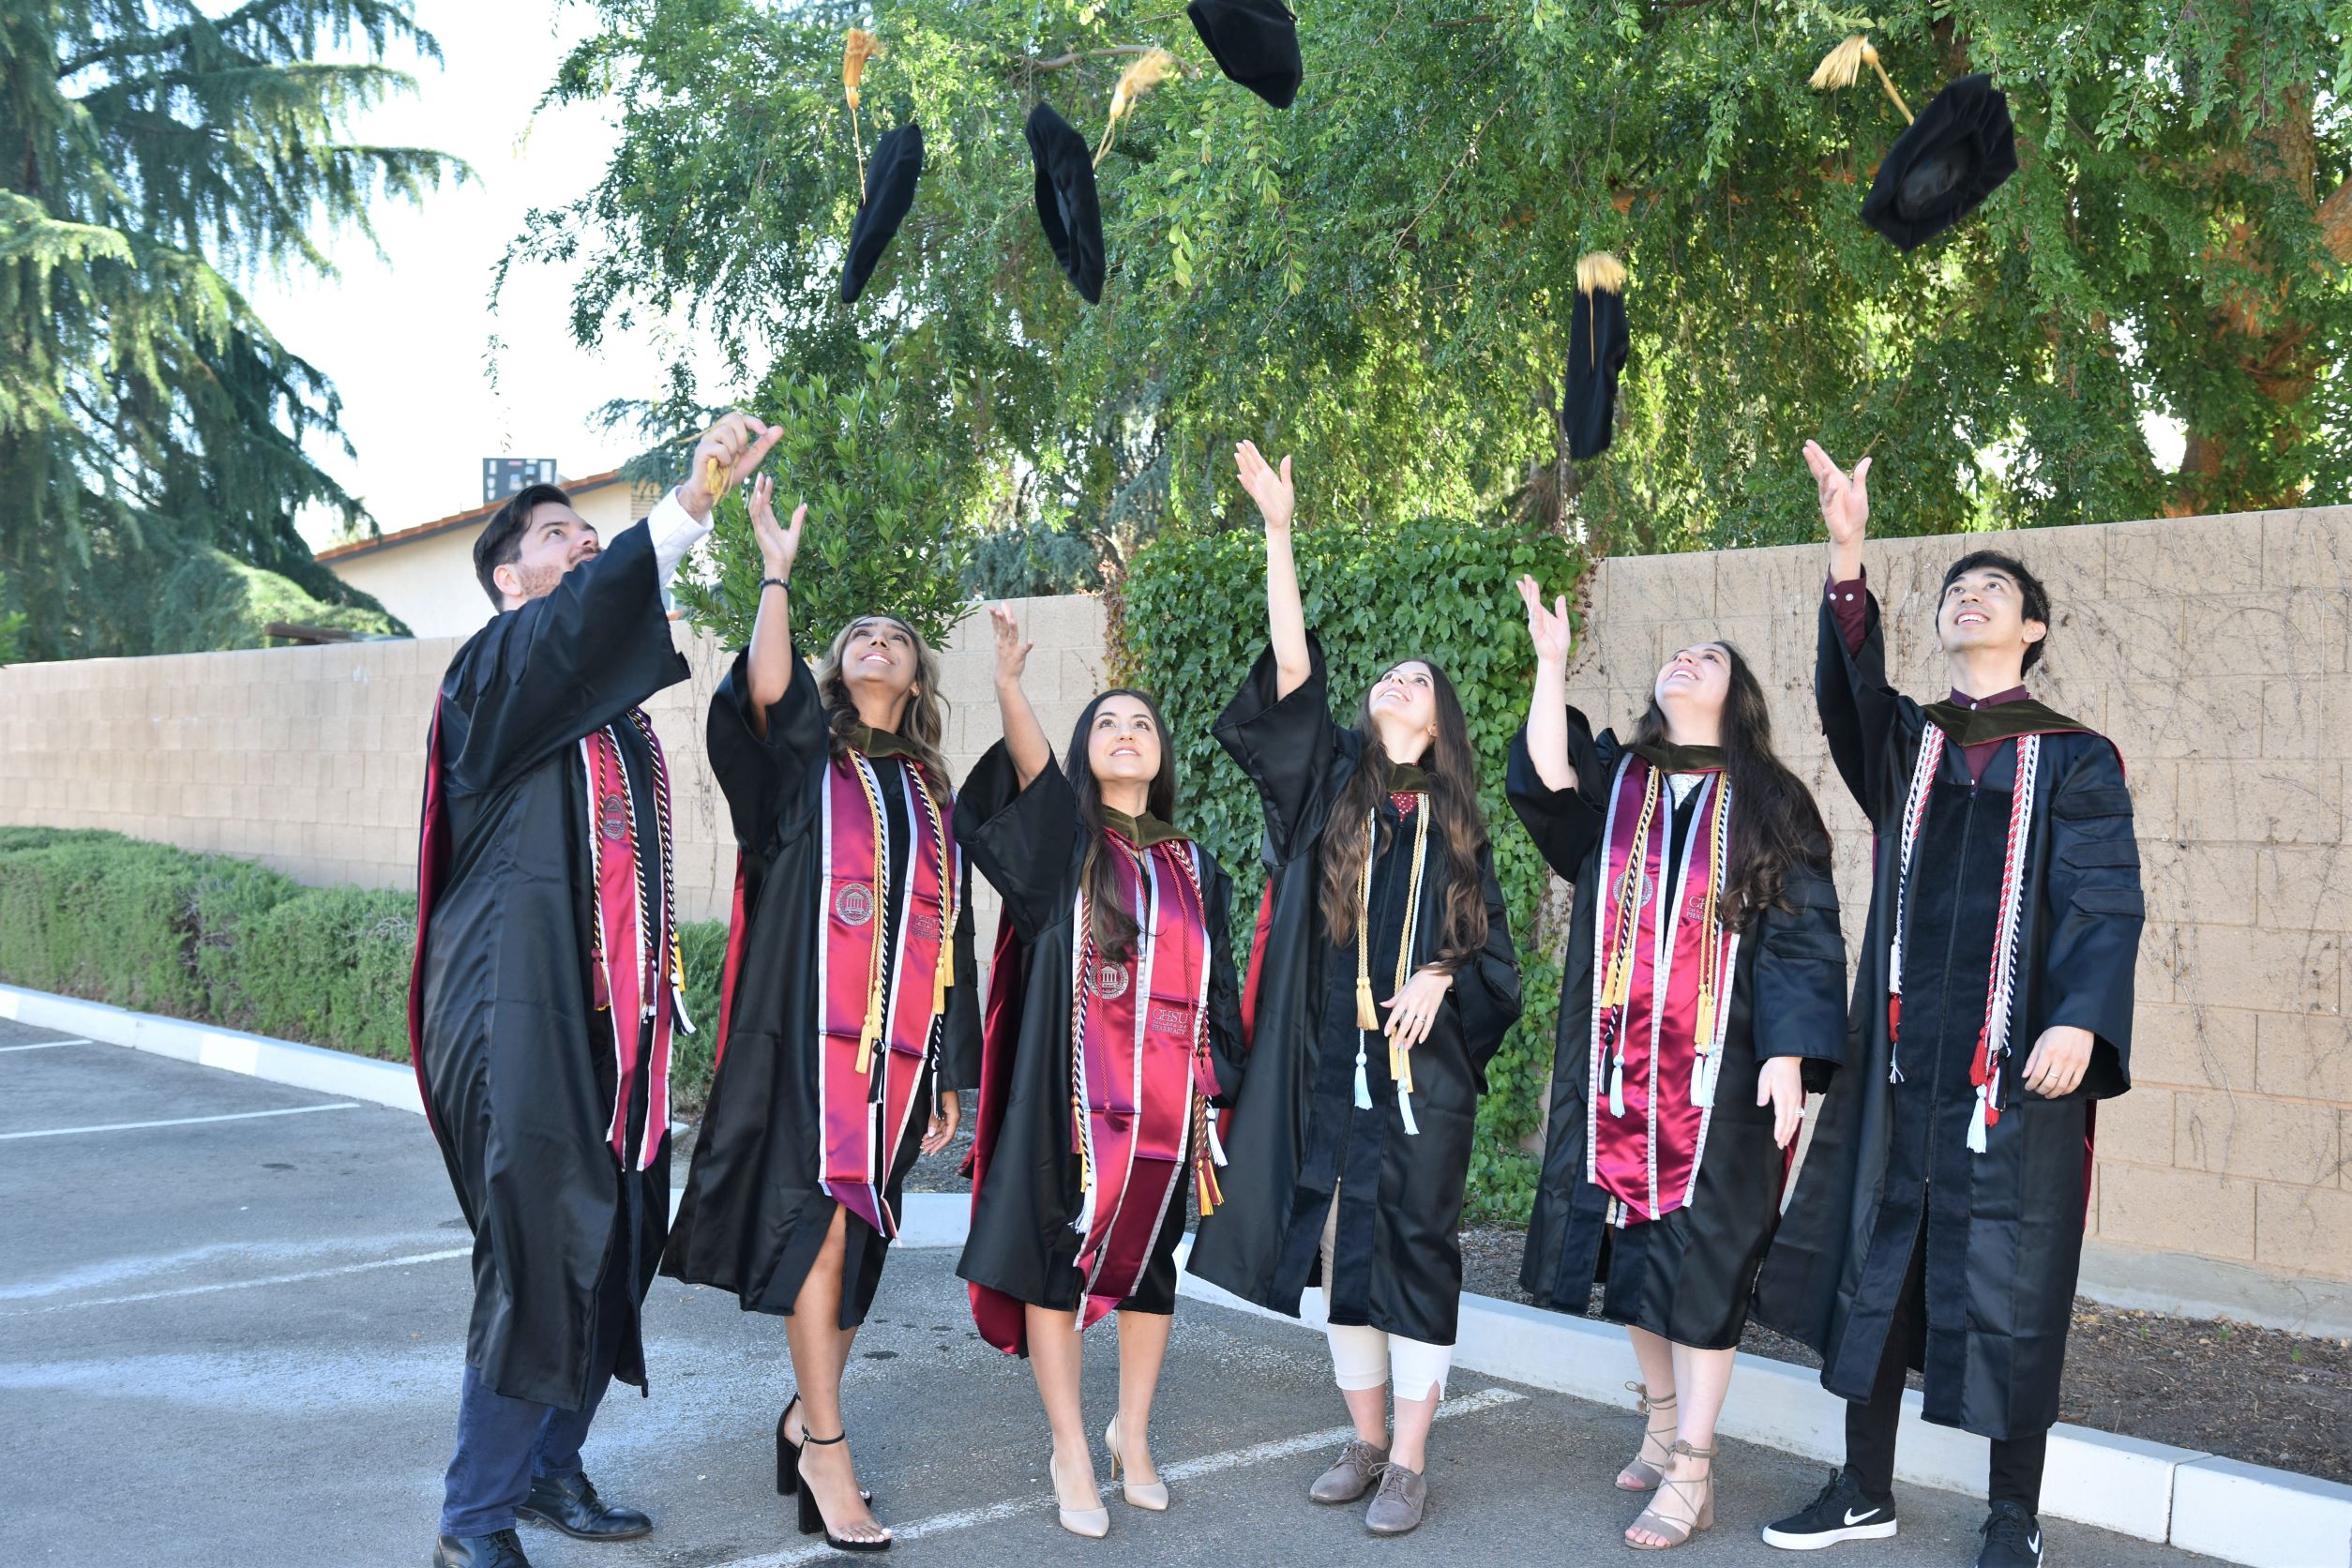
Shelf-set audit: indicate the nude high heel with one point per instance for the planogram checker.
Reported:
(1151, 1496)
(1092, 1523)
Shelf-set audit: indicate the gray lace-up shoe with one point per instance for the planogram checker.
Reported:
(1357, 1469)
(1396, 1507)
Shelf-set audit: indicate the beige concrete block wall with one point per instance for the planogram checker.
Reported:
(311, 760)
(2215, 653)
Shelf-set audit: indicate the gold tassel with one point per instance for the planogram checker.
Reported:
(714, 477)
(946, 975)
(1598, 269)
(1400, 1067)
(856, 49)
(1842, 68)
(1139, 78)
(1367, 1011)
(870, 1035)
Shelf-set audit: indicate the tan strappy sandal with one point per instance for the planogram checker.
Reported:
(1676, 1531)
(1641, 1475)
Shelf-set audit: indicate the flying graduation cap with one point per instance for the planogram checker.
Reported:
(887, 184)
(1597, 347)
(1069, 209)
(1955, 153)
(1255, 43)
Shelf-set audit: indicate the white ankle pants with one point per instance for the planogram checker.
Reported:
(1365, 1357)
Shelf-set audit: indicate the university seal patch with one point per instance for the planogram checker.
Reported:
(853, 903)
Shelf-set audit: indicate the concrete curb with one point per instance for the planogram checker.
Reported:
(2236, 1511)
(329, 1072)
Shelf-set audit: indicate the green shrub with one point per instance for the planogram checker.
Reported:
(1192, 618)
(224, 941)
(327, 965)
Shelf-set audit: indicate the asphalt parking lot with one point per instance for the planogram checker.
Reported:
(232, 1319)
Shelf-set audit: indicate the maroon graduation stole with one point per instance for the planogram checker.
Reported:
(1139, 1068)
(1661, 991)
(635, 968)
(878, 1004)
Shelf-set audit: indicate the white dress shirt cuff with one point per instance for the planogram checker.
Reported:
(674, 531)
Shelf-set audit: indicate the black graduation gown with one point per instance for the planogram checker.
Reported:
(515, 1063)
(1687, 1275)
(1296, 1130)
(753, 1217)
(2004, 1228)
(1030, 843)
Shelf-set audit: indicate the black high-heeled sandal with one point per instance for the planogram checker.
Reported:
(812, 1518)
(787, 1459)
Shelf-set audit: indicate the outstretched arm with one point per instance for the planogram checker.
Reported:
(769, 664)
(1024, 737)
(1547, 709)
(1845, 509)
(1286, 617)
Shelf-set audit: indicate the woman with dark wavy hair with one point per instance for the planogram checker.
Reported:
(1382, 980)
(1113, 1023)
(1704, 992)
(848, 1013)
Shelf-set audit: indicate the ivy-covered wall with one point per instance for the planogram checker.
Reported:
(1192, 618)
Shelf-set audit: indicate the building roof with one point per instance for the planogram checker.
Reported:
(455, 520)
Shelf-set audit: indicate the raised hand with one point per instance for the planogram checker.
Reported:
(1845, 497)
(1549, 630)
(1272, 490)
(1012, 652)
(780, 546)
(726, 456)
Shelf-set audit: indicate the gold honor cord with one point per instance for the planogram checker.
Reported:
(1367, 1011)
(872, 1031)
(1617, 982)
(1711, 945)
(950, 904)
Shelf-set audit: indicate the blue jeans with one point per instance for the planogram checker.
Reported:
(504, 1443)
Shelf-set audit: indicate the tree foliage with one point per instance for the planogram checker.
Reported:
(1193, 619)
(152, 152)
(1379, 278)
(889, 497)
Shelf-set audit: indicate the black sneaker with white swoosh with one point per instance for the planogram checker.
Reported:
(1841, 1513)
(2012, 1538)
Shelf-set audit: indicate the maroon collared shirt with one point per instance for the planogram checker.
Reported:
(1849, 603)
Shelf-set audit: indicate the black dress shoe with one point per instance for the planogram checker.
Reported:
(498, 1549)
(571, 1505)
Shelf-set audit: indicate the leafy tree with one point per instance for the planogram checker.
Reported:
(1379, 278)
(890, 501)
(150, 152)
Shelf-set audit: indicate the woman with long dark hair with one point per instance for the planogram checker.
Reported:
(1113, 1022)
(1382, 980)
(848, 1018)
(1686, 1043)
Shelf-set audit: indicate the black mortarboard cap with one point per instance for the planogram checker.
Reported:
(1068, 208)
(1597, 346)
(890, 176)
(1255, 43)
(1954, 155)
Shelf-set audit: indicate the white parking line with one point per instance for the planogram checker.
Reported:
(180, 1121)
(1186, 1469)
(251, 1284)
(43, 1044)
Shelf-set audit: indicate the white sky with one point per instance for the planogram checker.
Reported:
(406, 337)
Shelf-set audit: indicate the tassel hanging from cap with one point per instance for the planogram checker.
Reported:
(1599, 269)
(1153, 67)
(1842, 68)
(859, 47)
